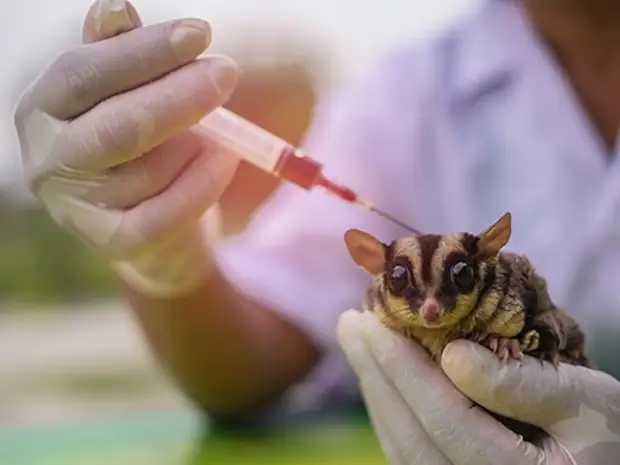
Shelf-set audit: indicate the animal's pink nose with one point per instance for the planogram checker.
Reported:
(430, 310)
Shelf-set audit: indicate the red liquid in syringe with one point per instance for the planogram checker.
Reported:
(307, 173)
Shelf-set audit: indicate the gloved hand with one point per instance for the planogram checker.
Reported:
(421, 416)
(107, 144)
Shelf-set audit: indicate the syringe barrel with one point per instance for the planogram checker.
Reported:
(244, 139)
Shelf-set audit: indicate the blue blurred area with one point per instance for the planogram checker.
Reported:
(184, 438)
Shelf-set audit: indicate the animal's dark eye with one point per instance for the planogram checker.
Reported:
(399, 278)
(462, 276)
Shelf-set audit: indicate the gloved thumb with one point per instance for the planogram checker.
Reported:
(108, 18)
(557, 400)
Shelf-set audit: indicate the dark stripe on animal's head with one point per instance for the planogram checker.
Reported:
(428, 245)
(470, 243)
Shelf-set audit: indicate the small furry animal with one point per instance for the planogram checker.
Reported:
(437, 288)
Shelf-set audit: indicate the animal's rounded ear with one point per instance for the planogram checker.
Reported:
(365, 250)
(495, 237)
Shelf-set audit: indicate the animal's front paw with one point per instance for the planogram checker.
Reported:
(530, 341)
(504, 347)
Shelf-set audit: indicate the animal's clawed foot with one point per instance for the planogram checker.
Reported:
(530, 341)
(504, 347)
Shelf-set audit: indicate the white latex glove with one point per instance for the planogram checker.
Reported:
(420, 417)
(106, 147)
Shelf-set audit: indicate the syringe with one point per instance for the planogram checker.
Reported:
(272, 154)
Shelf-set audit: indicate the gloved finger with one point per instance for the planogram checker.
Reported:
(402, 438)
(86, 75)
(570, 402)
(380, 425)
(464, 433)
(126, 185)
(199, 186)
(128, 125)
(108, 18)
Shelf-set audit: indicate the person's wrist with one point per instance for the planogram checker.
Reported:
(175, 266)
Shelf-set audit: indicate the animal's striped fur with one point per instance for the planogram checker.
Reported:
(508, 298)
(506, 303)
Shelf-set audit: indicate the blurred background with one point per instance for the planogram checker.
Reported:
(69, 352)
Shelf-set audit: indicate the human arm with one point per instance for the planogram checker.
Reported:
(423, 414)
(259, 354)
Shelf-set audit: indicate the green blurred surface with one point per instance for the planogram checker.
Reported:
(173, 438)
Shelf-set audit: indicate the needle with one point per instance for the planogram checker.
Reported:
(349, 195)
(394, 220)
(369, 206)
